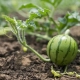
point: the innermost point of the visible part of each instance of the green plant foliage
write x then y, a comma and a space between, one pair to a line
40, 21
38, 13
29, 5
31, 26
68, 21
35, 11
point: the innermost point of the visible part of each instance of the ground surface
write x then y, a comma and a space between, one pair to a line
15, 64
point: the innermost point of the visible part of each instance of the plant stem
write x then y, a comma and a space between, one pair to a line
23, 42
51, 19
54, 6
41, 36
67, 32
65, 70
35, 52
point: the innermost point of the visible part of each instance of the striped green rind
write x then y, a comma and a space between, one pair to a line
62, 49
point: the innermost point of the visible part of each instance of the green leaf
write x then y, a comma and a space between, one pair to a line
14, 24
30, 25
7, 18
38, 13
34, 13
10, 21
17, 25
68, 21
29, 5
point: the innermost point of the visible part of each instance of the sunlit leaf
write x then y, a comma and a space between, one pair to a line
29, 5
13, 23
31, 26
38, 13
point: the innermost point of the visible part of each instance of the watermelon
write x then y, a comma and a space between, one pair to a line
62, 49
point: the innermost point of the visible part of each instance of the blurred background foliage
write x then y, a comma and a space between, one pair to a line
11, 8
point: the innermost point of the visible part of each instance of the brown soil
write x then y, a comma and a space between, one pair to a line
15, 64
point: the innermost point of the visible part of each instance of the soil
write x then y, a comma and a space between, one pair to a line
15, 64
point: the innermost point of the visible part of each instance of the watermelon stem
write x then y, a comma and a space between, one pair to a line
67, 32
46, 37
65, 70
36, 53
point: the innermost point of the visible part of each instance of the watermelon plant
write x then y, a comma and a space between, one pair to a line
62, 48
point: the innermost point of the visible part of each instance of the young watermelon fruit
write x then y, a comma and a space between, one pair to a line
62, 49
